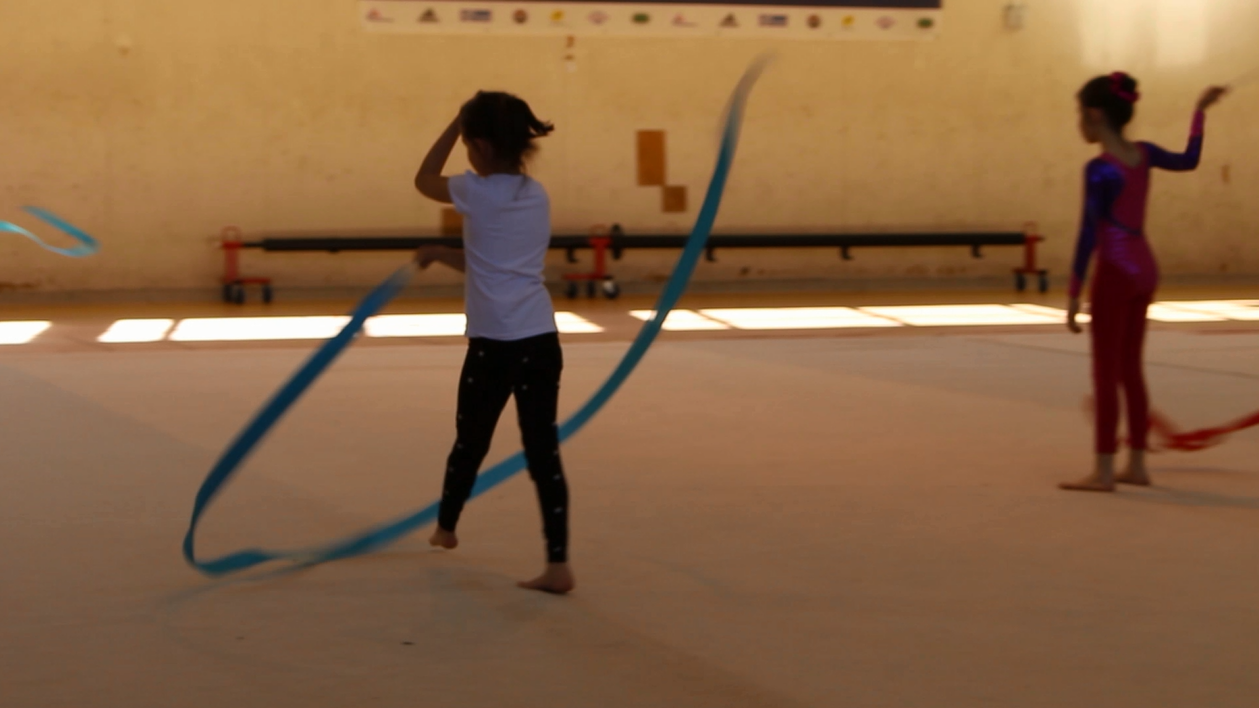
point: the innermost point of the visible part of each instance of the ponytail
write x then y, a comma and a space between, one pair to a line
506, 123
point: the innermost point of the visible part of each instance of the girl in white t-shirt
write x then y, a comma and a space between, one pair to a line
513, 344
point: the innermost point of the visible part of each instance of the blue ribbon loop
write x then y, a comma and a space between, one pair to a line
87, 245
382, 535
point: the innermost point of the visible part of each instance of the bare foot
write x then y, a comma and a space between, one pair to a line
1135, 477
1091, 483
1135, 474
556, 579
442, 538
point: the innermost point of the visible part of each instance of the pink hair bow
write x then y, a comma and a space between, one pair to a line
1116, 87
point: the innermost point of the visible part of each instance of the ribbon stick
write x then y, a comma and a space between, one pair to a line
1244, 80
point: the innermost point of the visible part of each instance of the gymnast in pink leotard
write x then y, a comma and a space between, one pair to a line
1116, 185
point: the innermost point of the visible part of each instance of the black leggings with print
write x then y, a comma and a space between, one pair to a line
493, 371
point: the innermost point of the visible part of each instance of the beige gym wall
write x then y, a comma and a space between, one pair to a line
154, 124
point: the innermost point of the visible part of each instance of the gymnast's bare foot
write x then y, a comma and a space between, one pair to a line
1092, 483
1102, 479
1134, 478
1135, 474
556, 579
442, 538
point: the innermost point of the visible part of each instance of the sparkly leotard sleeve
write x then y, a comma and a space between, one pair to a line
1186, 161
1102, 185
1105, 183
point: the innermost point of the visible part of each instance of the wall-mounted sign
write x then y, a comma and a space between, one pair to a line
803, 19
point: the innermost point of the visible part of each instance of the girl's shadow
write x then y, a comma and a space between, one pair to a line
1162, 494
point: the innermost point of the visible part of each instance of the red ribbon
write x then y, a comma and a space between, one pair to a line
1170, 437
1192, 441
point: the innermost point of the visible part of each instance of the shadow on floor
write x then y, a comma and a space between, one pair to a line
1162, 493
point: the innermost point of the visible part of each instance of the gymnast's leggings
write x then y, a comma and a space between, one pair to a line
493, 371
1119, 302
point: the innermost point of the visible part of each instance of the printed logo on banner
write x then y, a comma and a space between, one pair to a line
886, 22
680, 21
642, 18
376, 16
557, 16
599, 17
849, 21
773, 20
429, 16
815, 21
730, 21
520, 17
926, 23
475, 16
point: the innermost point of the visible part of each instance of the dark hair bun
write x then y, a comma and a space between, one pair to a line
1114, 95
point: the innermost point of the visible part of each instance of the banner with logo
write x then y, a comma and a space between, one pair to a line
796, 19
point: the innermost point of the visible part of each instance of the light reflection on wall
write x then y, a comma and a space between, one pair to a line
1180, 32
1140, 34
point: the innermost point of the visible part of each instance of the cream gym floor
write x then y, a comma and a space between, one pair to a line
774, 518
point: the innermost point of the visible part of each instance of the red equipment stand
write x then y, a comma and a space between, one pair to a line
233, 283
598, 279
1029, 261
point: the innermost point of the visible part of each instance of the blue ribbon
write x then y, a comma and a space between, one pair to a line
87, 245
384, 534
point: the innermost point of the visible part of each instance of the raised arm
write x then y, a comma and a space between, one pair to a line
1185, 161
429, 180
1189, 159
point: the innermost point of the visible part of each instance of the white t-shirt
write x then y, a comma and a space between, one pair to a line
506, 233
